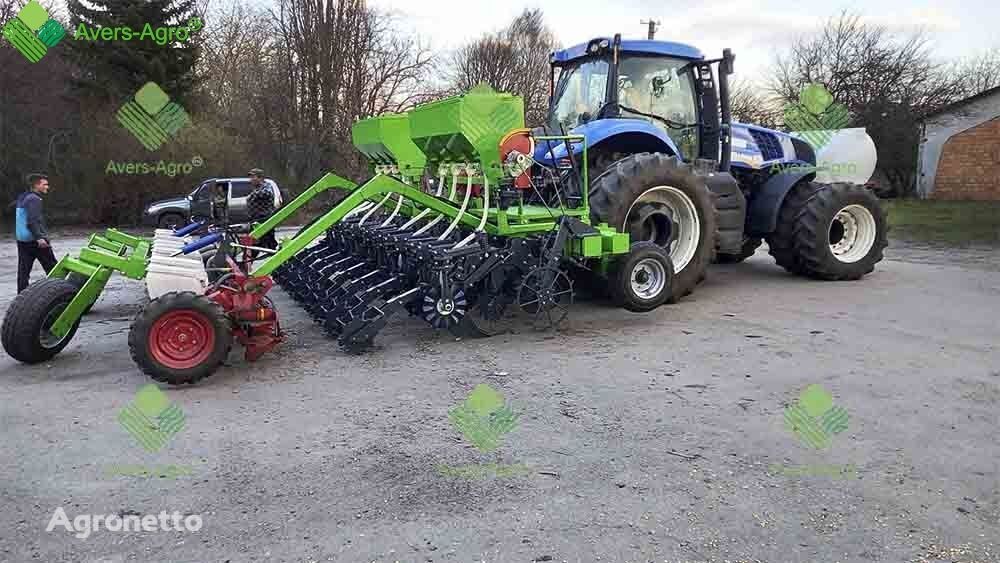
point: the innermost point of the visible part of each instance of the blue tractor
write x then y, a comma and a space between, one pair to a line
668, 165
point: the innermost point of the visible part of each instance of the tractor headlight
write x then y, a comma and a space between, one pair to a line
605, 44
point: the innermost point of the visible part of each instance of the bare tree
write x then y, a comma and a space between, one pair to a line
979, 73
751, 104
886, 80
514, 60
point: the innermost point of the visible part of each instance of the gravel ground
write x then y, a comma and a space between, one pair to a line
654, 437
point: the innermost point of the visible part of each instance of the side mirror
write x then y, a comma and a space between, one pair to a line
727, 61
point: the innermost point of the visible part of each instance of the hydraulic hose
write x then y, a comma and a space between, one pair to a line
451, 197
424, 213
465, 205
482, 220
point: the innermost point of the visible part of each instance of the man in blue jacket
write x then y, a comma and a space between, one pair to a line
32, 237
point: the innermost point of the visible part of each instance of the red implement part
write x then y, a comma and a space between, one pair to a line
519, 140
255, 320
181, 339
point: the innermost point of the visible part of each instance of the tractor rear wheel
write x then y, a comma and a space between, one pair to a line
830, 231
660, 199
25, 333
180, 337
641, 279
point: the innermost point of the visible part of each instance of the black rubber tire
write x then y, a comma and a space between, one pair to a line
25, 318
613, 193
622, 292
750, 247
78, 280
801, 241
138, 337
171, 221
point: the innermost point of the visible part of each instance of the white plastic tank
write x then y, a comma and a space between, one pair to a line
848, 156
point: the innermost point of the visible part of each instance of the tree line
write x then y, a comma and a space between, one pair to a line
279, 87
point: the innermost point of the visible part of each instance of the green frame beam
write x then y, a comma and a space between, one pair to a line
329, 181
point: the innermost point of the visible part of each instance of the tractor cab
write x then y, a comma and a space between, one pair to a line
657, 96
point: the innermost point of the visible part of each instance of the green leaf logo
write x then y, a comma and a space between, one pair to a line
483, 418
816, 116
32, 32
151, 117
815, 419
151, 418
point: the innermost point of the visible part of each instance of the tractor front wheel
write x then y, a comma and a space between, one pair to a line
180, 338
830, 231
26, 336
660, 199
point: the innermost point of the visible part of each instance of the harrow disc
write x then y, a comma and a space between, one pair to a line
444, 312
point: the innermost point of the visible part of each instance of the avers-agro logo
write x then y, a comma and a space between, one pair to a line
32, 32
152, 117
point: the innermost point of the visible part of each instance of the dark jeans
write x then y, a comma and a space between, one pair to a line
27, 253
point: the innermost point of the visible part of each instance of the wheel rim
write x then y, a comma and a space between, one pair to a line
181, 339
648, 279
45, 338
852, 233
668, 217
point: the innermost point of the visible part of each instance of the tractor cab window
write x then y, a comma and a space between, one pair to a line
579, 94
653, 86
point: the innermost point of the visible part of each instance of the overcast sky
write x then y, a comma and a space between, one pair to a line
752, 28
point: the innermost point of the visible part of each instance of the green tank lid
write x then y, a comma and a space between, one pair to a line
467, 128
385, 140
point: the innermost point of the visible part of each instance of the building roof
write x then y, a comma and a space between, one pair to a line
634, 46
955, 105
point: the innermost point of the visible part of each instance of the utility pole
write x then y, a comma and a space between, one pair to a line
653, 26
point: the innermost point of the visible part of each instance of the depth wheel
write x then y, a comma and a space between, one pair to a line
642, 279
25, 333
180, 338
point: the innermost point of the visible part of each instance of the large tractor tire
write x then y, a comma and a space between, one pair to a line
641, 280
658, 198
25, 333
750, 246
180, 338
830, 231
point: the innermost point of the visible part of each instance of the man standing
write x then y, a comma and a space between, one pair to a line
262, 202
32, 236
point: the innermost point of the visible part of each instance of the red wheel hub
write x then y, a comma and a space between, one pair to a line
182, 339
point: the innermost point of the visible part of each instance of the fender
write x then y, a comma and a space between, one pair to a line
765, 204
601, 130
